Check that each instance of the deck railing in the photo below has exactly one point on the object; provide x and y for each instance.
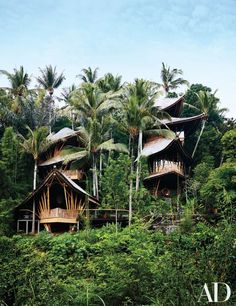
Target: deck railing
(58, 213)
(167, 166)
(106, 214)
(92, 214)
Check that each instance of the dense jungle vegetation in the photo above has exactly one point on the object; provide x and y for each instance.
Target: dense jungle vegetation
(134, 265)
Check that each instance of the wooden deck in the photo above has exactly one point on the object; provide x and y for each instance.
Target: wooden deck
(58, 215)
(96, 217)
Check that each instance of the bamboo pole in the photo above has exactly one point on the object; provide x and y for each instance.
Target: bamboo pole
(158, 183)
(65, 196)
(48, 199)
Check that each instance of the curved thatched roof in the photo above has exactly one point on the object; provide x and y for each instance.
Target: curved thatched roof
(186, 124)
(62, 135)
(160, 145)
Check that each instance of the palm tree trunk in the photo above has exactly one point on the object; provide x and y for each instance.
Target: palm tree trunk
(95, 177)
(199, 137)
(34, 187)
(131, 183)
(138, 168)
(100, 167)
(96, 181)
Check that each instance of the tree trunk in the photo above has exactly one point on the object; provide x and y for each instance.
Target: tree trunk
(199, 137)
(51, 111)
(100, 169)
(131, 184)
(34, 187)
(95, 178)
(138, 168)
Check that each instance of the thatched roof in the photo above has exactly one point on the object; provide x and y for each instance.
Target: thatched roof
(62, 135)
(187, 124)
(160, 145)
(53, 160)
(156, 146)
(164, 103)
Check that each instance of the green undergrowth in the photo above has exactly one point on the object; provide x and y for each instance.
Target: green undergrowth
(131, 266)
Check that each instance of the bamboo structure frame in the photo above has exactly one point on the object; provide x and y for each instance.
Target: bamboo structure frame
(73, 203)
(44, 204)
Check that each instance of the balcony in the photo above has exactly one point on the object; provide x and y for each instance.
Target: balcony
(58, 215)
(163, 167)
(73, 174)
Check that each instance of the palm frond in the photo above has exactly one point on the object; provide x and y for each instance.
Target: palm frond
(109, 145)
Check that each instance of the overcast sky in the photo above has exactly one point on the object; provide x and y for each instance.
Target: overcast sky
(127, 37)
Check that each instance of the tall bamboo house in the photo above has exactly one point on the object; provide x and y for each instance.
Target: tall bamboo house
(61, 202)
(168, 161)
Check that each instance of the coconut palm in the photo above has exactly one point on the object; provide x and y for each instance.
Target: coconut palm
(139, 115)
(67, 92)
(34, 144)
(49, 79)
(206, 104)
(19, 81)
(170, 78)
(88, 76)
(91, 102)
(94, 138)
(110, 83)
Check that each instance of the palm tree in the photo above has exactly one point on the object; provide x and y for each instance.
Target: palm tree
(207, 104)
(19, 81)
(67, 92)
(88, 76)
(110, 83)
(50, 80)
(91, 102)
(170, 79)
(140, 114)
(95, 138)
(34, 144)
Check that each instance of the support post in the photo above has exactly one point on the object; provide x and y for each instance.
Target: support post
(27, 227)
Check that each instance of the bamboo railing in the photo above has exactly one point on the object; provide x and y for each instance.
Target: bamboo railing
(164, 166)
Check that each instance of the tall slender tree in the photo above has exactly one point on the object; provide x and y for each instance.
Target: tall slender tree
(110, 83)
(171, 78)
(88, 75)
(50, 80)
(34, 145)
(19, 81)
(95, 138)
(207, 104)
(91, 102)
(140, 114)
